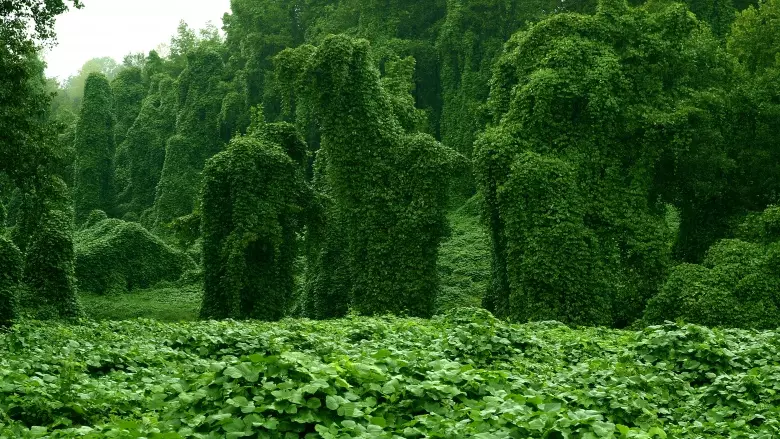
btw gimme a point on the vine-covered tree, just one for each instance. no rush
(388, 186)
(71, 93)
(93, 187)
(144, 147)
(253, 200)
(29, 151)
(25, 25)
(200, 95)
(574, 91)
(129, 89)
(49, 266)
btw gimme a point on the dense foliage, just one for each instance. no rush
(736, 285)
(388, 183)
(93, 186)
(11, 269)
(385, 169)
(25, 25)
(252, 204)
(463, 375)
(143, 150)
(598, 122)
(196, 137)
(117, 256)
(32, 164)
(49, 266)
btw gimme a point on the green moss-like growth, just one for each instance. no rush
(94, 170)
(388, 186)
(10, 277)
(200, 96)
(49, 267)
(251, 208)
(117, 256)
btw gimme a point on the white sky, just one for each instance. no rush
(117, 27)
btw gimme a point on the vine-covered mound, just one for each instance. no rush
(114, 256)
(465, 375)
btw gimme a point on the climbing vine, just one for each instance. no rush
(572, 91)
(388, 186)
(252, 205)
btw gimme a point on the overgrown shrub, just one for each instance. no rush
(115, 256)
(49, 267)
(11, 265)
(736, 285)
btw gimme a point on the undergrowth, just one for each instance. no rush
(464, 259)
(463, 375)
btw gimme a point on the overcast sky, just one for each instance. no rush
(117, 27)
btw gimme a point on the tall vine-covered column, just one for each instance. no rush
(93, 187)
(388, 185)
(251, 209)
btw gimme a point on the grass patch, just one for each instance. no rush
(168, 304)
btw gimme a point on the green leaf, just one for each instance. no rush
(331, 402)
(603, 429)
(232, 372)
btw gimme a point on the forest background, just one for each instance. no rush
(593, 163)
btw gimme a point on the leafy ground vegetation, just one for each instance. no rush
(465, 374)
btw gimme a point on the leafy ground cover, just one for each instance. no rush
(463, 375)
